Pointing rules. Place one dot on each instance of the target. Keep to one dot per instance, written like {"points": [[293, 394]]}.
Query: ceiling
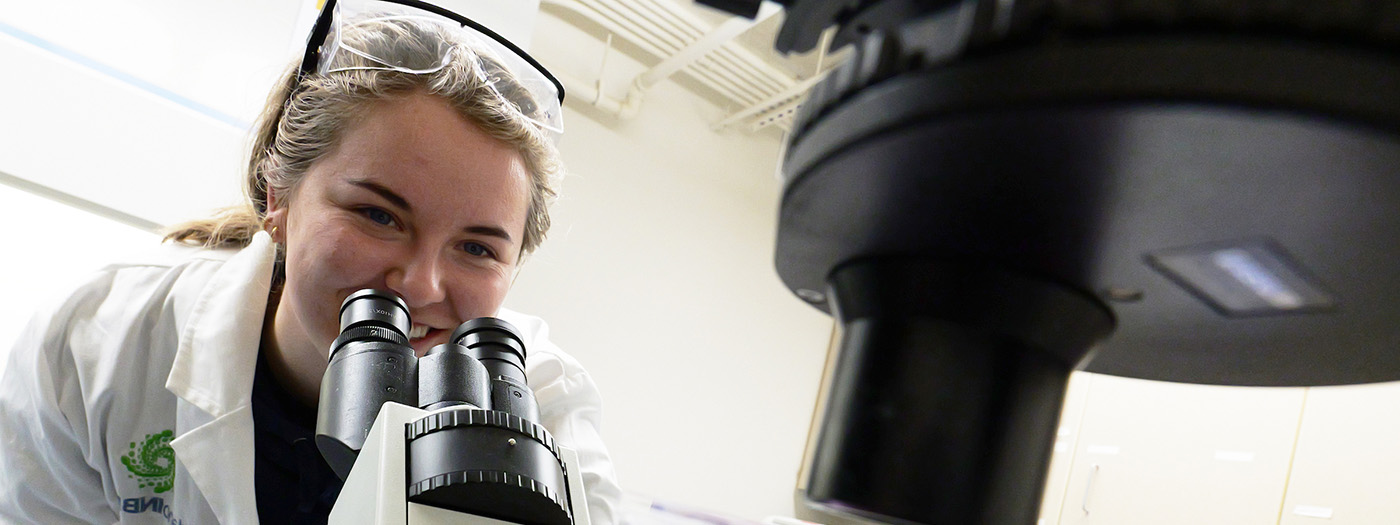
{"points": [[725, 59]]}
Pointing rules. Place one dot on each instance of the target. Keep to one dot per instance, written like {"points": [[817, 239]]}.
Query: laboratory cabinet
{"points": [[1346, 469], [1132, 451], [1147, 452], [1057, 477]]}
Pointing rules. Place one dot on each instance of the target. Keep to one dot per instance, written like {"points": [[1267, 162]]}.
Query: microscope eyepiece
{"points": [[492, 331], [375, 308], [370, 364]]}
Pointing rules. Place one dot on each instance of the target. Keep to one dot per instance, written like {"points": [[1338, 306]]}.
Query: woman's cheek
{"points": [[492, 292], [350, 260], [334, 267]]}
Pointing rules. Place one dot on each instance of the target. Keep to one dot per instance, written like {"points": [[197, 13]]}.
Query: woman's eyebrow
{"points": [[383, 191], [492, 231]]}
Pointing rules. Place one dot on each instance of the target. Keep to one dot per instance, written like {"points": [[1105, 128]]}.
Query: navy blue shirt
{"points": [[293, 483]]}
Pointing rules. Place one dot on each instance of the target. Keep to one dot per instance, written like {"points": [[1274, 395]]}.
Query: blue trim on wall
{"points": [[123, 77]]}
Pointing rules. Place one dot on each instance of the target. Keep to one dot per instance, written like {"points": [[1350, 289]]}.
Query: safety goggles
{"points": [[327, 52]]}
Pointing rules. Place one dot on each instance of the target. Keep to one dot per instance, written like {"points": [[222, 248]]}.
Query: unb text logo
{"points": [[152, 463]]}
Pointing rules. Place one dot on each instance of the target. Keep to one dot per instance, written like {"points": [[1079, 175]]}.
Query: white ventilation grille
{"points": [[708, 54]]}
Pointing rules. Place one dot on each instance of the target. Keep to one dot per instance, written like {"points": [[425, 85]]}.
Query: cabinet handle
{"points": [[1087, 487]]}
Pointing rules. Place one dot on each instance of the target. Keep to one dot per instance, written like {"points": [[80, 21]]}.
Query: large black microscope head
{"points": [[990, 194]]}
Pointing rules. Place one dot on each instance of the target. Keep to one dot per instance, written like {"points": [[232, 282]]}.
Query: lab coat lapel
{"points": [[217, 455], [213, 376]]}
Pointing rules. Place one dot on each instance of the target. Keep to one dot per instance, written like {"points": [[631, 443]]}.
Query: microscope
{"points": [[990, 194], [449, 438]]}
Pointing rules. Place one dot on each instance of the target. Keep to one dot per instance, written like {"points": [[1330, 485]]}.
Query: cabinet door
{"points": [[1347, 466], [1167, 453], [1057, 478]]}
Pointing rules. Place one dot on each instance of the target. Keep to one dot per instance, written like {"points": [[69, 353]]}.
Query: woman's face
{"points": [[415, 199]]}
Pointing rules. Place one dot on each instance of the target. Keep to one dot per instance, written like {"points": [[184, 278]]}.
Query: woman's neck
{"points": [[301, 379]]}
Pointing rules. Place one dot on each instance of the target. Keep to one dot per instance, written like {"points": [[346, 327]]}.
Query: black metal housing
{"points": [[489, 463], [943, 374], [1063, 143], [370, 364], [448, 375]]}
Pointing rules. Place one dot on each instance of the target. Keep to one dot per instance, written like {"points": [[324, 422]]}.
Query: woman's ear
{"points": [[275, 221]]}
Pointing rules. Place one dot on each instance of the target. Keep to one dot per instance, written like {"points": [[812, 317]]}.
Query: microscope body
{"points": [[376, 491], [448, 437], [988, 195]]}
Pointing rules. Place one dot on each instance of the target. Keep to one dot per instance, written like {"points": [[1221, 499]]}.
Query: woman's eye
{"points": [[476, 249], [379, 216]]}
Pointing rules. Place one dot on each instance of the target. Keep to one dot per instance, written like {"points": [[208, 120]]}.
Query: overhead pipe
{"points": [[616, 22], [682, 30], [772, 79], [775, 80], [787, 100], [584, 91], [647, 39], [630, 104], [664, 37], [713, 40], [740, 88], [749, 83]]}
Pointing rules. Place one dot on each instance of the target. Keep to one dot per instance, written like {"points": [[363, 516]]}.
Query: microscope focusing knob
{"points": [[489, 463], [472, 417]]}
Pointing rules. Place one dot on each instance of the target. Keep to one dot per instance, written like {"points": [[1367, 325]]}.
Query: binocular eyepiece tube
{"points": [[480, 449]]}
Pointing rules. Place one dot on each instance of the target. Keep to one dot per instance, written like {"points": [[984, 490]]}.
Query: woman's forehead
{"points": [[420, 148]]}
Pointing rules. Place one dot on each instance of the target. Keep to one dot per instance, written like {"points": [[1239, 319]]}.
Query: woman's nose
{"points": [[418, 280]]}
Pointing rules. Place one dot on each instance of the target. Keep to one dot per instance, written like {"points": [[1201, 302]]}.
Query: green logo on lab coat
{"points": [[152, 462]]}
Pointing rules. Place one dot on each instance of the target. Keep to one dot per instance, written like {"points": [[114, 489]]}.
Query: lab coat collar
{"points": [[213, 375], [217, 356]]}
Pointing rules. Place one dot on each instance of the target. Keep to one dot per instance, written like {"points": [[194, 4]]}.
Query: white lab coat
{"points": [[97, 380]]}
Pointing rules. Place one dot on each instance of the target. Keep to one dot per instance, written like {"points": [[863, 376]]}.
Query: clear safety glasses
{"points": [[419, 38]]}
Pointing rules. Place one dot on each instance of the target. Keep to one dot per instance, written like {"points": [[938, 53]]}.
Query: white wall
{"points": [[658, 274], [49, 244]]}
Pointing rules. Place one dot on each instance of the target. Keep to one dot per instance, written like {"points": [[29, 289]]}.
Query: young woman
{"points": [[407, 152]]}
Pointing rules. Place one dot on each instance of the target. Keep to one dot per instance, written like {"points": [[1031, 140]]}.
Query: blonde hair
{"points": [[304, 120]]}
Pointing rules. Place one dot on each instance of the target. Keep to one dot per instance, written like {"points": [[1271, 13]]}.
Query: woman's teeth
{"points": [[418, 330]]}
